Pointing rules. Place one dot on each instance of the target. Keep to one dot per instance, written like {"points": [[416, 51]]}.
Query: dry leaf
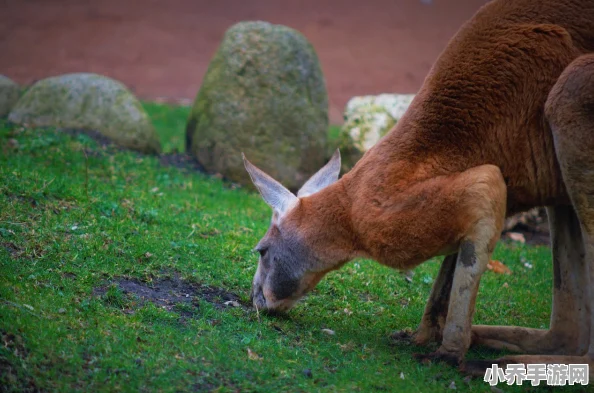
{"points": [[347, 311], [347, 347], [498, 267], [517, 237], [253, 355], [148, 254], [329, 331]]}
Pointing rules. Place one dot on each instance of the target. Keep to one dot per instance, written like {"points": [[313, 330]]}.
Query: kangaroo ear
{"points": [[274, 194], [322, 178]]}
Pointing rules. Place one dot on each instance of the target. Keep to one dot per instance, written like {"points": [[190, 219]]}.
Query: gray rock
{"points": [[89, 102], [9, 95], [264, 94]]}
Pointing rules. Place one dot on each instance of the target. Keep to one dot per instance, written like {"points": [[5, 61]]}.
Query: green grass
{"points": [[170, 122], [75, 216]]}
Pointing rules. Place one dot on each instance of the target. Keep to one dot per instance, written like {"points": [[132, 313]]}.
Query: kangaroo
{"points": [[504, 122]]}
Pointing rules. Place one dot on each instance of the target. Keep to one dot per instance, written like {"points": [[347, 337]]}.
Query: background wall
{"points": [[162, 48]]}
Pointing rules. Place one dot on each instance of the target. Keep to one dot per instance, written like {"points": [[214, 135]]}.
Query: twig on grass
{"points": [[20, 306]]}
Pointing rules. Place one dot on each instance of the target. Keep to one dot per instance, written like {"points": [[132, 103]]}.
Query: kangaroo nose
{"points": [[257, 297]]}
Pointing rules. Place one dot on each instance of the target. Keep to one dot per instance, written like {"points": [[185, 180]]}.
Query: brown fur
{"points": [[474, 147]]}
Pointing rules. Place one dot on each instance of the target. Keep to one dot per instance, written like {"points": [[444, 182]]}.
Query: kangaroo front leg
{"points": [[431, 327], [472, 261], [482, 206]]}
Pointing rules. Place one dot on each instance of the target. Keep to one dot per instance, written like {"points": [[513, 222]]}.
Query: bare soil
{"points": [[167, 292]]}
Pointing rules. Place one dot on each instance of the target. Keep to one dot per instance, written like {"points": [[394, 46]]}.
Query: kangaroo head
{"points": [[289, 265]]}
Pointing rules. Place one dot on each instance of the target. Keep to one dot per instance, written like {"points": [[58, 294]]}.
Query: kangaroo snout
{"points": [[257, 297]]}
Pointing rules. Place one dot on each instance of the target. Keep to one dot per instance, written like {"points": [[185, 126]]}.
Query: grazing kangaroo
{"points": [[503, 122]]}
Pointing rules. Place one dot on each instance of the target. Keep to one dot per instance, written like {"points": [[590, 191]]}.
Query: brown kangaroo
{"points": [[503, 122]]}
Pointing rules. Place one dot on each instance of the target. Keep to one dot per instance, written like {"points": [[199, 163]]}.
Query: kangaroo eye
{"points": [[263, 251]]}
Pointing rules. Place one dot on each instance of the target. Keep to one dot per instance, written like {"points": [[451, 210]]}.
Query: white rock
{"points": [[369, 118]]}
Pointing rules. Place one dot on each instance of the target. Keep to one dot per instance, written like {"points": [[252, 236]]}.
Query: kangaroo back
{"points": [[483, 103]]}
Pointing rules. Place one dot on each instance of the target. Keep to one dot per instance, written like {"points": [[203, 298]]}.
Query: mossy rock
{"points": [[264, 94], [9, 95], [367, 120], [88, 102]]}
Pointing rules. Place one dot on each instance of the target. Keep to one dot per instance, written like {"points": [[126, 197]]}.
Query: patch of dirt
{"points": [[95, 135], [210, 382], [10, 375], [13, 343], [177, 160], [12, 249], [172, 291], [181, 161], [25, 199]]}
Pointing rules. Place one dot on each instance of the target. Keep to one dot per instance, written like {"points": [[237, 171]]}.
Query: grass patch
{"points": [[99, 248], [170, 122]]}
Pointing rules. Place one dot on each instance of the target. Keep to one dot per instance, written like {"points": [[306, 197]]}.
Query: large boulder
{"points": [[9, 95], [264, 94], [88, 102]]}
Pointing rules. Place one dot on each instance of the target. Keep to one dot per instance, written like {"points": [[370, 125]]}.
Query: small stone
{"points": [[329, 332], [232, 303], [307, 373], [453, 385], [62, 311]]}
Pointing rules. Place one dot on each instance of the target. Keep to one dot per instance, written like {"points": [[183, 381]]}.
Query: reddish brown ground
{"points": [[162, 48]]}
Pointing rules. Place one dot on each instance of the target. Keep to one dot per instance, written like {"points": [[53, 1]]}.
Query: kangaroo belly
{"points": [[530, 169]]}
